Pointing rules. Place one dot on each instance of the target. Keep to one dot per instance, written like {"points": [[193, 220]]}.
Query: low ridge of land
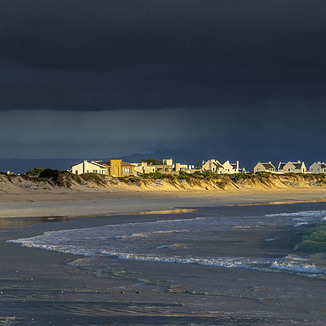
{"points": [[53, 180]]}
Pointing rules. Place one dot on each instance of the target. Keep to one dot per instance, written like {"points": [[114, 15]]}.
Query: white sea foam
{"points": [[300, 268], [148, 234], [172, 246], [301, 223], [302, 219], [300, 214]]}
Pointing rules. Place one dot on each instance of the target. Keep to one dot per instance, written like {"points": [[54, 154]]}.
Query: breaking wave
{"points": [[305, 214]]}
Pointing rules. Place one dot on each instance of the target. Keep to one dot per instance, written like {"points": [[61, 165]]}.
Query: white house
{"points": [[231, 168], [168, 161], [292, 167], [318, 167], [264, 167], [214, 166], [88, 167], [143, 167]]}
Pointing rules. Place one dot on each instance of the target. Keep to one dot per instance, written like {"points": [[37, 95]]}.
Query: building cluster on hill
{"points": [[120, 168]]}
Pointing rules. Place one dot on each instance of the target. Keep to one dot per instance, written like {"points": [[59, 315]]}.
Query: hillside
{"points": [[53, 180]]}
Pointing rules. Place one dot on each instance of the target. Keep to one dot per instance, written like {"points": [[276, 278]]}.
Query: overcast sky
{"points": [[101, 78]]}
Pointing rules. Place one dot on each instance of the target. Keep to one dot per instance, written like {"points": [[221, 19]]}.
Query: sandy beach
{"points": [[40, 287], [72, 204]]}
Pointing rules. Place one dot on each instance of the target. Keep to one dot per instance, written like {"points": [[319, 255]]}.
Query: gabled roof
{"points": [[281, 165], [268, 165], [297, 165], [218, 164], [322, 165], [98, 164], [108, 164], [123, 163], [104, 163]]}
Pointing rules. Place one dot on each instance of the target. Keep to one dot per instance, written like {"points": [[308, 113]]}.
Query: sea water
{"points": [[251, 242]]}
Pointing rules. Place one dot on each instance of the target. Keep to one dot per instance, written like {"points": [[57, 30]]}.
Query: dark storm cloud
{"points": [[103, 55]]}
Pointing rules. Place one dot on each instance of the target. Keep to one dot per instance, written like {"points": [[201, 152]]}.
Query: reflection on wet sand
{"points": [[22, 222]]}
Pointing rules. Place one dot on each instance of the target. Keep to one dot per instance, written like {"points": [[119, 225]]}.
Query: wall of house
{"points": [[87, 167], [259, 168], [78, 168], [290, 168], [228, 168], [316, 168], [115, 168], [143, 167], [168, 161], [210, 166], [127, 170]]}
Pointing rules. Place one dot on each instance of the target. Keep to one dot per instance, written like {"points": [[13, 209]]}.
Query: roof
{"points": [[123, 163], [297, 165], [99, 164], [218, 164], [234, 165], [281, 165], [268, 165], [107, 163], [104, 163], [322, 165]]}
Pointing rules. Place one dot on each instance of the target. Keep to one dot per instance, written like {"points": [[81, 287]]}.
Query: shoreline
{"points": [[45, 281], [93, 204]]}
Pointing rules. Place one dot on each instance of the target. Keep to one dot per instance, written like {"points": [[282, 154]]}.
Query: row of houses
{"points": [[120, 168], [116, 168], [290, 167], [283, 167]]}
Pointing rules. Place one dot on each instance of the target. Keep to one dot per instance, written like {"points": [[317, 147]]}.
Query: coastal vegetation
{"points": [[223, 181], [152, 161], [34, 172], [203, 180]]}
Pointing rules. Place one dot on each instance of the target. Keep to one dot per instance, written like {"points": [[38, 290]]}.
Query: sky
{"points": [[238, 80]]}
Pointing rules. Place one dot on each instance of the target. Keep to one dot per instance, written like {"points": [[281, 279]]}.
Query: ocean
{"points": [[224, 255], [212, 241]]}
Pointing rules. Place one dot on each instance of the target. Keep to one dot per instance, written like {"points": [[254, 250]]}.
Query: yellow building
{"points": [[116, 168]]}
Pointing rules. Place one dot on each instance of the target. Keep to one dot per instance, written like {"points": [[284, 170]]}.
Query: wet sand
{"points": [[40, 287]]}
